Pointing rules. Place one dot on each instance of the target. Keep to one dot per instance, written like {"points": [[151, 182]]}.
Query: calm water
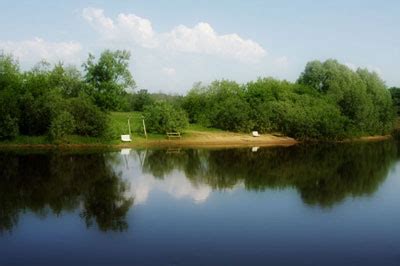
{"points": [[304, 205]]}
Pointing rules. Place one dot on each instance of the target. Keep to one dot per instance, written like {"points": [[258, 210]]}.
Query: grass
{"points": [[197, 127], [119, 126]]}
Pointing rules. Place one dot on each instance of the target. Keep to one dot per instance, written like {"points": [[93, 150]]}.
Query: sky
{"points": [[175, 43]]}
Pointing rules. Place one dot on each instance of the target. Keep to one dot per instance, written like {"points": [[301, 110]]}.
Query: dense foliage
{"points": [[109, 78], [329, 101], [137, 101], [56, 100], [395, 92], [162, 117]]}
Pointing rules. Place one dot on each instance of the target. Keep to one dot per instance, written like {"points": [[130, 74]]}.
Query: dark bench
{"points": [[173, 135]]}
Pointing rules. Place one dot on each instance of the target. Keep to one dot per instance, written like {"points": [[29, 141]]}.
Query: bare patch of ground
{"points": [[228, 139]]}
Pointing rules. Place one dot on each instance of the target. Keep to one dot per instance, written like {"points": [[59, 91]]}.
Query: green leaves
{"points": [[162, 117], [109, 78]]}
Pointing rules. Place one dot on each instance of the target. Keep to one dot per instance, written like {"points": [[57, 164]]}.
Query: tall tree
{"points": [[109, 78]]}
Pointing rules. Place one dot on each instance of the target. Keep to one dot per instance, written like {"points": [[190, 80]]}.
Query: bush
{"points": [[233, 114], [63, 124], [8, 115], [306, 118], [8, 126], [162, 117], [89, 119]]}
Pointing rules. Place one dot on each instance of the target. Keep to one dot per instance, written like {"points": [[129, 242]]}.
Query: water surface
{"points": [[302, 205]]}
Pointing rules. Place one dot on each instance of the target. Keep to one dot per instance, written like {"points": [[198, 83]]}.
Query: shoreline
{"points": [[198, 140]]}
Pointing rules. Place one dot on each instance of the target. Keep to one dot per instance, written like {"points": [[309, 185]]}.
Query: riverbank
{"points": [[193, 136], [191, 139], [188, 139]]}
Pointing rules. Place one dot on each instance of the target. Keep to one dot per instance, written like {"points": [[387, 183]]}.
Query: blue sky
{"points": [[176, 43]]}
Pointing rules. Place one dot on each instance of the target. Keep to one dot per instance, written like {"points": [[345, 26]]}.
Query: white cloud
{"points": [[136, 29], [98, 21], [37, 49], [127, 27], [201, 39]]}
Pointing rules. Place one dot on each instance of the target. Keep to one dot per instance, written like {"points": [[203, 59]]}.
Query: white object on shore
{"points": [[126, 138], [255, 134]]}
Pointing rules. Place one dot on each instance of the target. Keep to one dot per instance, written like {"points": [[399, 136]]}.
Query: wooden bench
{"points": [[173, 135]]}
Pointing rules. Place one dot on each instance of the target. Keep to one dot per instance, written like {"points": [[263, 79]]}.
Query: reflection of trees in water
{"points": [[60, 182], [56, 183], [323, 174]]}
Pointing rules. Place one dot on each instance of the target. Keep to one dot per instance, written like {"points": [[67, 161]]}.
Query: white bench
{"points": [[126, 138]]}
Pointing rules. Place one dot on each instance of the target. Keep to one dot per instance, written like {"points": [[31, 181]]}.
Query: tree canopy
{"points": [[109, 78]]}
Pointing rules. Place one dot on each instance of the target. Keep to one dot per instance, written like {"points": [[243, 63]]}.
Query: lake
{"points": [[301, 205]]}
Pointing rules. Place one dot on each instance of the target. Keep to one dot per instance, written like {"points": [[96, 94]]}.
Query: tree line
{"points": [[61, 100], [329, 101]]}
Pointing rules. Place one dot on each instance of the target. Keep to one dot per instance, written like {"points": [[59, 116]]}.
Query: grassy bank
{"points": [[194, 135]]}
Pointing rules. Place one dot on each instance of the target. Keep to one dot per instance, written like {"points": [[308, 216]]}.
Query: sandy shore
{"points": [[222, 139]]}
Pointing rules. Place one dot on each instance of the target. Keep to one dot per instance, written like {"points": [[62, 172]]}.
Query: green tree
{"points": [[139, 100], [10, 83], [162, 117], [68, 79], [35, 101], [197, 105], [395, 93], [357, 94], [109, 78], [63, 124], [89, 119], [10, 76]]}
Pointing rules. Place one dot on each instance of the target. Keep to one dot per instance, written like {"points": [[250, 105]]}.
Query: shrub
{"points": [[89, 119], [162, 117], [63, 124], [307, 118], [233, 114], [8, 115]]}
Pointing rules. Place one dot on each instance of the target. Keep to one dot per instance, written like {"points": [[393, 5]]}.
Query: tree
{"points": [[357, 94], [162, 117], [63, 124], [109, 78], [197, 105], [67, 79], [382, 109], [395, 94], [9, 115], [89, 119], [10, 77], [139, 100], [10, 83]]}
